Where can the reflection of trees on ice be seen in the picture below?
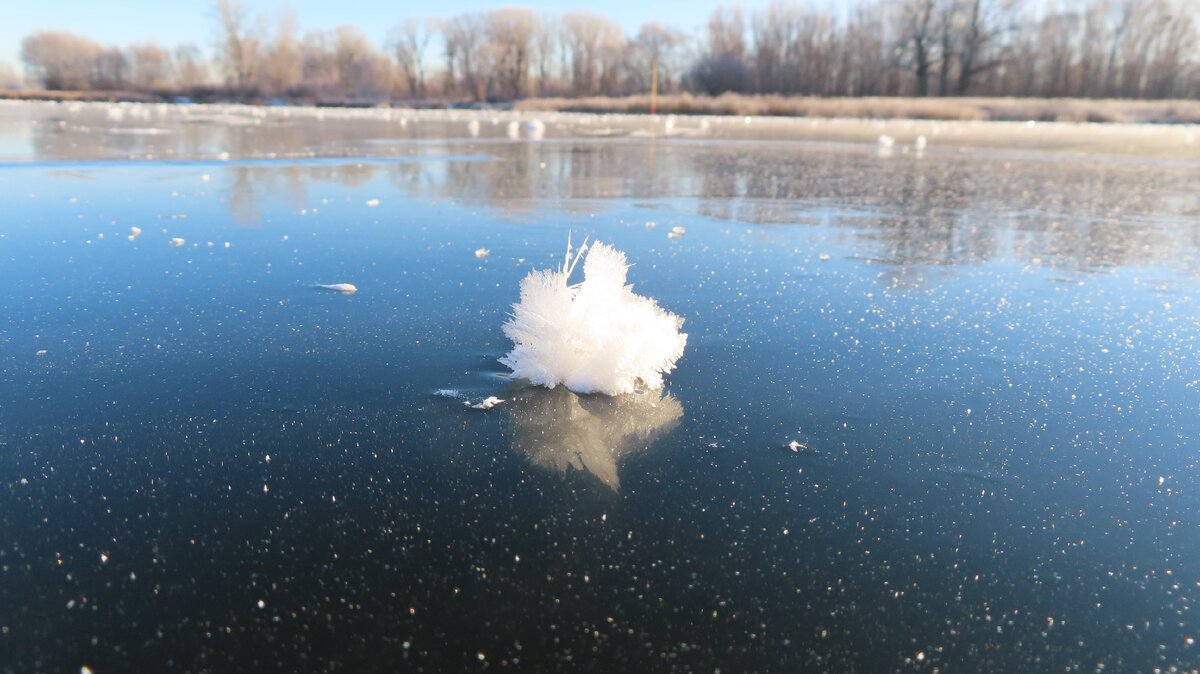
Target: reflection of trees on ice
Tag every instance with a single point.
(561, 431)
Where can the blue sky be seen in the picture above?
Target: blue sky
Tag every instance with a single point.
(173, 22)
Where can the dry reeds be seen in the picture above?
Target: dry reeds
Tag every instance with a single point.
(980, 109)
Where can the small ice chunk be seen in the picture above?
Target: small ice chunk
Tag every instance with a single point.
(676, 232)
(485, 404)
(42, 352)
(535, 129)
(797, 446)
(346, 288)
(448, 393)
(135, 231)
(482, 253)
(650, 224)
(205, 178)
(178, 242)
(372, 203)
(823, 257)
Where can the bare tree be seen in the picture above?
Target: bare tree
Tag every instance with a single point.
(1092, 48)
(864, 54)
(593, 46)
(546, 45)
(468, 65)
(1175, 56)
(318, 63)
(984, 26)
(408, 43)
(150, 66)
(724, 68)
(510, 32)
(915, 30)
(363, 73)
(282, 61)
(727, 31)
(237, 45)
(190, 69)
(110, 70)
(60, 60)
(773, 31)
(656, 46)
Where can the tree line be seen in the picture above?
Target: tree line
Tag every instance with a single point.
(1076, 48)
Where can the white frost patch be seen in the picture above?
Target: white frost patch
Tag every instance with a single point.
(596, 336)
(485, 404)
(339, 287)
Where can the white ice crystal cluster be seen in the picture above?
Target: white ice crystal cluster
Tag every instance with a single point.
(596, 336)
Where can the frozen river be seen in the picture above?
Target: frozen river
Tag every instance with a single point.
(939, 409)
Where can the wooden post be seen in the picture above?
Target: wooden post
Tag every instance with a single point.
(654, 86)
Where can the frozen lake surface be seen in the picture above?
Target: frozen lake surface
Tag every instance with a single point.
(939, 410)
